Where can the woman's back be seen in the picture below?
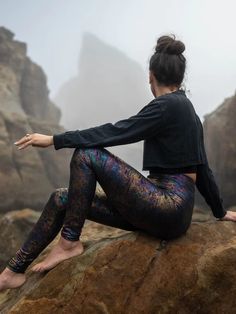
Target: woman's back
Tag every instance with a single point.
(178, 141)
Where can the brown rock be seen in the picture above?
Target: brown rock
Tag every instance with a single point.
(14, 226)
(201, 215)
(34, 94)
(131, 272)
(26, 177)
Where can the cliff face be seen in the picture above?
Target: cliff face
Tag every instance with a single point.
(26, 177)
(220, 133)
(109, 86)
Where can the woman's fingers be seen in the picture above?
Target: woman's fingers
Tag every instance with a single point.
(230, 216)
(24, 145)
(35, 139)
(23, 140)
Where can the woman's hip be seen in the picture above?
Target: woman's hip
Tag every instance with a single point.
(180, 187)
(173, 211)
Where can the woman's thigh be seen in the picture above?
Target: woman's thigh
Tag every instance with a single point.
(103, 211)
(147, 204)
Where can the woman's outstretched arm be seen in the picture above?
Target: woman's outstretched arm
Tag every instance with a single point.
(147, 122)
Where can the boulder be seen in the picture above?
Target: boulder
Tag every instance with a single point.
(14, 228)
(131, 272)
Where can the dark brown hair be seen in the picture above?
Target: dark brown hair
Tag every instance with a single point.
(168, 62)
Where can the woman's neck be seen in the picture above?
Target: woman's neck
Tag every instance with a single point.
(162, 90)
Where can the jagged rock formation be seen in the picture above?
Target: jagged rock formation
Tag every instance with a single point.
(220, 134)
(27, 176)
(131, 272)
(110, 86)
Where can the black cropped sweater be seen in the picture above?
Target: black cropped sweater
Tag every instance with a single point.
(173, 141)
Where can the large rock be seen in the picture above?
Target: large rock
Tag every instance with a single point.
(220, 134)
(132, 272)
(26, 177)
(14, 228)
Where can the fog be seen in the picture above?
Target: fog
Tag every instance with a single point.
(53, 31)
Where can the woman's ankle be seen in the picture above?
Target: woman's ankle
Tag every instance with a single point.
(10, 279)
(8, 271)
(68, 244)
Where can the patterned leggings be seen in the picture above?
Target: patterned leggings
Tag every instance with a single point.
(161, 206)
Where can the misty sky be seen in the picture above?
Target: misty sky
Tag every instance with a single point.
(53, 30)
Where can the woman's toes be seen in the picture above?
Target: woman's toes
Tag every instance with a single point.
(36, 268)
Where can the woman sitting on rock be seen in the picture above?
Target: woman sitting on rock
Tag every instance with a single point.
(160, 204)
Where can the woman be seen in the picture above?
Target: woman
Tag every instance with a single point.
(160, 204)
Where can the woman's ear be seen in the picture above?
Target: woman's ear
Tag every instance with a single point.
(150, 77)
(152, 83)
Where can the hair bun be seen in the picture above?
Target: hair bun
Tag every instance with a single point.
(169, 45)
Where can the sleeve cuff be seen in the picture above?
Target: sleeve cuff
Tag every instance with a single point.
(58, 141)
(224, 213)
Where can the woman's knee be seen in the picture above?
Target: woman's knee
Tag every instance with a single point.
(86, 154)
(59, 197)
(78, 154)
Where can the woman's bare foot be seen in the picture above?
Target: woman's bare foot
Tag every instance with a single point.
(63, 250)
(10, 279)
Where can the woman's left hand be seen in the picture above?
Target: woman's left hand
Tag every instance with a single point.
(34, 139)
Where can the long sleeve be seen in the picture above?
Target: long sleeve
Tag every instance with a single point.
(206, 184)
(209, 190)
(147, 122)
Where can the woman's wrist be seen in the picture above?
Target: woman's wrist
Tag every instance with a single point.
(51, 140)
(223, 218)
(229, 216)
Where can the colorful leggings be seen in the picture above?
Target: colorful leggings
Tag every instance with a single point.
(161, 206)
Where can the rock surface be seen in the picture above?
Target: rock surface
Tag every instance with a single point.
(14, 228)
(26, 177)
(220, 134)
(131, 272)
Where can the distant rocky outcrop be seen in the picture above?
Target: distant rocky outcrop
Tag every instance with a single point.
(110, 86)
(220, 133)
(219, 136)
(131, 272)
(27, 176)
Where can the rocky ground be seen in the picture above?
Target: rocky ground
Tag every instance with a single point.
(131, 272)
